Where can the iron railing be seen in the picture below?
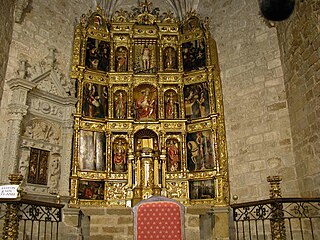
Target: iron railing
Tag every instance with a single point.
(278, 218)
(27, 219)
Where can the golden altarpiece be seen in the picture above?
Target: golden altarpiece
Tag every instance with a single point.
(149, 117)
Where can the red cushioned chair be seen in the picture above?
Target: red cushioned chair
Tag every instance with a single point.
(159, 218)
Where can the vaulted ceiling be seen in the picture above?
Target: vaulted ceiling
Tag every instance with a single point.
(178, 7)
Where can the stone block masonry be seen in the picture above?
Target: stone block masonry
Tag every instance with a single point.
(6, 29)
(256, 111)
(299, 39)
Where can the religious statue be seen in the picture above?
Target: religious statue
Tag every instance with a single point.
(146, 57)
(24, 163)
(173, 156)
(54, 175)
(121, 59)
(120, 106)
(170, 58)
(146, 105)
(170, 107)
(119, 156)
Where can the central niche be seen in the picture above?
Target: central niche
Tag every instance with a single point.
(145, 102)
(149, 115)
(145, 56)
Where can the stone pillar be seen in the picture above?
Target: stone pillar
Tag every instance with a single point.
(221, 223)
(17, 109)
(67, 133)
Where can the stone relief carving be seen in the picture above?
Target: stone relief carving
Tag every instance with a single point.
(54, 175)
(47, 86)
(24, 163)
(47, 75)
(46, 107)
(38, 129)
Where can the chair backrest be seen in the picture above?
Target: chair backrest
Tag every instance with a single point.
(159, 218)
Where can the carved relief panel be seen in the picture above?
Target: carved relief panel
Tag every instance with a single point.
(42, 145)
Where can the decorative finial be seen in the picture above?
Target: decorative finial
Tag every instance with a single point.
(146, 6)
(235, 198)
(58, 198)
(15, 178)
(51, 58)
(22, 71)
(275, 190)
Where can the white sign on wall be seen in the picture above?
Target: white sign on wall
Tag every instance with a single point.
(9, 191)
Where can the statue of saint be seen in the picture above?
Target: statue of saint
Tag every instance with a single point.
(146, 57)
(170, 107)
(119, 157)
(173, 156)
(121, 57)
(120, 106)
(170, 58)
(146, 106)
(54, 176)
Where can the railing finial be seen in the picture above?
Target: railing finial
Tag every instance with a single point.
(15, 178)
(275, 190)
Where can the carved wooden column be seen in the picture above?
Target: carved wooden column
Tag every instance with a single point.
(112, 57)
(181, 102)
(163, 161)
(184, 156)
(137, 191)
(130, 159)
(156, 180)
(160, 46)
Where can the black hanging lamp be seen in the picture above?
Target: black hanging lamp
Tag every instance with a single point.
(276, 10)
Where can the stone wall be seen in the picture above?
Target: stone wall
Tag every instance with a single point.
(117, 224)
(6, 28)
(256, 110)
(299, 38)
(46, 24)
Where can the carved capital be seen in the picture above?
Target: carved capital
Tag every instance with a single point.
(17, 111)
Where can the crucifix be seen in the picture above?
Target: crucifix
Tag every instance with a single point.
(146, 6)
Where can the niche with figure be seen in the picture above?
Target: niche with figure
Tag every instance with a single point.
(120, 104)
(145, 102)
(171, 105)
(92, 150)
(173, 155)
(170, 58)
(119, 155)
(121, 59)
(145, 56)
(95, 100)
